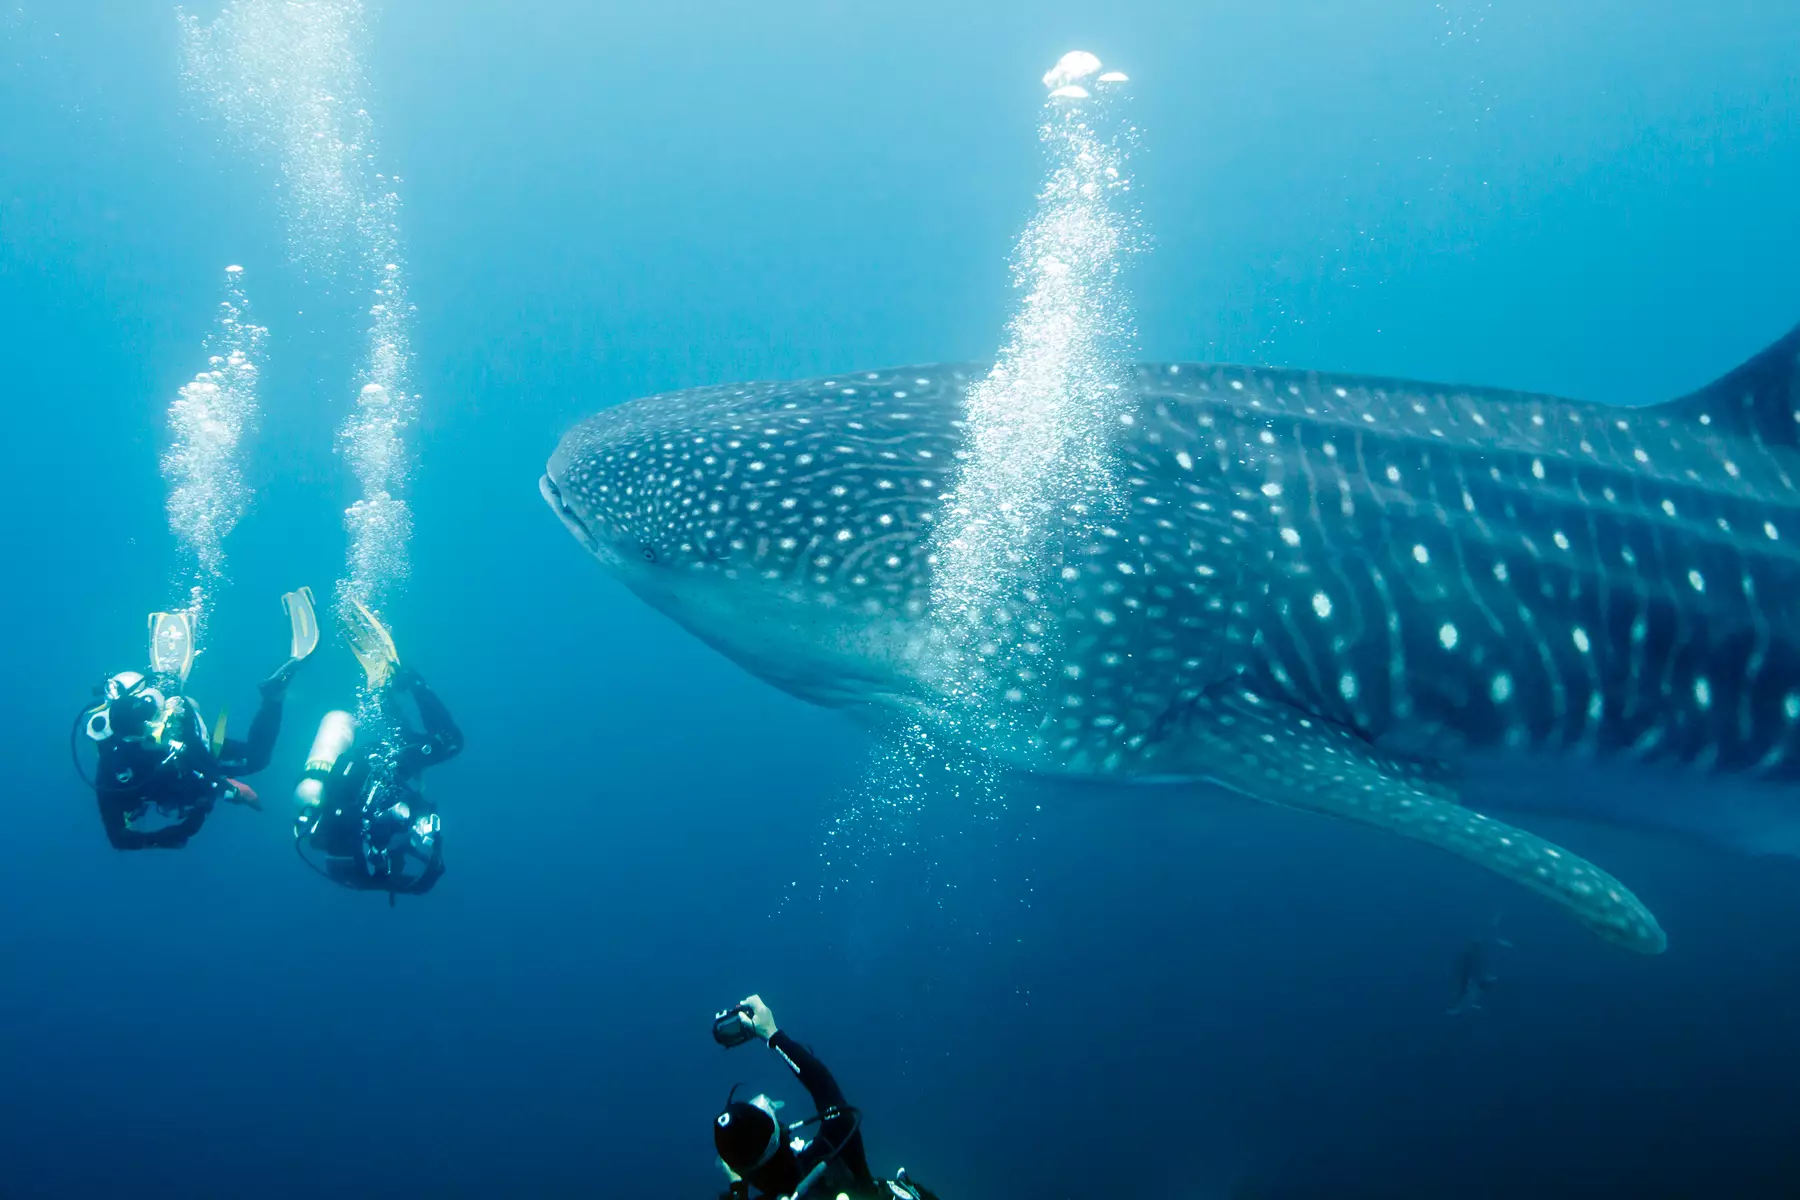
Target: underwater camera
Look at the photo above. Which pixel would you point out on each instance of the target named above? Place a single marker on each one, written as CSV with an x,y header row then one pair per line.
x,y
733,1027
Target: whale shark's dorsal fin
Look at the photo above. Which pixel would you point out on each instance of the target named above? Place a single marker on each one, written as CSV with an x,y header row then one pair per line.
x,y
1759,398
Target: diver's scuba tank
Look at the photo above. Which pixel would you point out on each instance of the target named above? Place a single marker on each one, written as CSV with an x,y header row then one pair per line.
x,y
337,731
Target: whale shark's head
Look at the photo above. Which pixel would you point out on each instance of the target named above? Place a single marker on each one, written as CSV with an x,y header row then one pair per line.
x,y
784,524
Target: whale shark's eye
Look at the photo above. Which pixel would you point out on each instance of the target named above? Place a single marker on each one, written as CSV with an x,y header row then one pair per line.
x,y
649,553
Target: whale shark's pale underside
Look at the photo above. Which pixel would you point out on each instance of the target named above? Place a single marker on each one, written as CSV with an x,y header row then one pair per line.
x,y
1393,602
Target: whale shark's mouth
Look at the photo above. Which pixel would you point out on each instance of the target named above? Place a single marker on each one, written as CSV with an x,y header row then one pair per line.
x,y
554,498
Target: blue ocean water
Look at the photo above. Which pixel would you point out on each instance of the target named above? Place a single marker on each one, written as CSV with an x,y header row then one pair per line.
x,y
1083,993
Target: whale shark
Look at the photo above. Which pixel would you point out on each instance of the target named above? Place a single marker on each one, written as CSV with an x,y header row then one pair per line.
x,y
1407,605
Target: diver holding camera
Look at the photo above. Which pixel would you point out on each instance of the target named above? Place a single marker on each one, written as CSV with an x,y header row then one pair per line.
x,y
778,1160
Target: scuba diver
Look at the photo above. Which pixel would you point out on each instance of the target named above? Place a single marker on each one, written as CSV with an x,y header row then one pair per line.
x,y
363,811
1475,969
758,1151
160,771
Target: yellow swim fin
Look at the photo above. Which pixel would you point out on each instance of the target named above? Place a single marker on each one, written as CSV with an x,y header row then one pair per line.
x,y
218,733
171,644
369,641
305,622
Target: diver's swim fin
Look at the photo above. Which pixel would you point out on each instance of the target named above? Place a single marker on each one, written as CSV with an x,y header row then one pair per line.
x,y
171,644
218,733
305,622
369,641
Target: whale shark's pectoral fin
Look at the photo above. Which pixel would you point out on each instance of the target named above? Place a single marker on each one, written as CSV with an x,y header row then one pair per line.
x,y
1280,755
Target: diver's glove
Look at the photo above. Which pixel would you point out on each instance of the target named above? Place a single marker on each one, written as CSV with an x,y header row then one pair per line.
x,y
236,791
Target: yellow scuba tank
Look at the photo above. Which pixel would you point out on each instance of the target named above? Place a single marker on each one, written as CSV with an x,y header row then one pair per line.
x,y
337,731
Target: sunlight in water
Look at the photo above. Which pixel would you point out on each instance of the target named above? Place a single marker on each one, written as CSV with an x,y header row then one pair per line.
x,y
207,421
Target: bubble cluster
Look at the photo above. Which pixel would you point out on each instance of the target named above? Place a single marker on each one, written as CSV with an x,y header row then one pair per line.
x,y
380,523
287,79
1039,423
930,811
207,421
1039,427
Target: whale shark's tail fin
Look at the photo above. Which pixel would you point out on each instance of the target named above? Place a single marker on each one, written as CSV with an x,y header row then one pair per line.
x,y
1759,398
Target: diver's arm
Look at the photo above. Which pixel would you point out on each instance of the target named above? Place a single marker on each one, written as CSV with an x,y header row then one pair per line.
x,y
170,837
115,765
838,1132
808,1070
811,1073
738,1189
121,835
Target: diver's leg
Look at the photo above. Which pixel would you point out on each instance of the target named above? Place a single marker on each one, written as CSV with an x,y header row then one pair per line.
x,y
252,754
265,727
433,872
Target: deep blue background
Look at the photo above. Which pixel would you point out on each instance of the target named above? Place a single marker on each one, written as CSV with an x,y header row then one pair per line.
x,y
1113,994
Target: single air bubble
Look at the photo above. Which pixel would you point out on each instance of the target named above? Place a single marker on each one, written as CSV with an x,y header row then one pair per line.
x,y
1071,92
1076,64
234,270
1071,67
1114,77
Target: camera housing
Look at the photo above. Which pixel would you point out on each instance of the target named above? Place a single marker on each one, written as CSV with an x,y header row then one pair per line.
x,y
733,1027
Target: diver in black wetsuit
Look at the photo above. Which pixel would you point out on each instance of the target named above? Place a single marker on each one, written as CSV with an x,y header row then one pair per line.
x,y
373,825
156,761
759,1152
